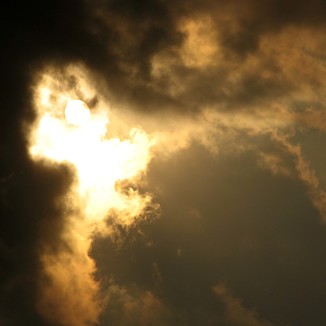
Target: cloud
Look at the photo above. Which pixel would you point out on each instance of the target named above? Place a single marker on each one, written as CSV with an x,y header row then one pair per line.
x,y
225,75
101,165
130,305
30,217
274,163
235,312
68,293
190,56
306,174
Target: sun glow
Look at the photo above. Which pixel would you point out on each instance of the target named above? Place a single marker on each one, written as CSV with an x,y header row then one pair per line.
x,y
77,112
72,134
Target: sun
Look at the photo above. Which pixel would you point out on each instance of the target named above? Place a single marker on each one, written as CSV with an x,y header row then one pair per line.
x,y
77,112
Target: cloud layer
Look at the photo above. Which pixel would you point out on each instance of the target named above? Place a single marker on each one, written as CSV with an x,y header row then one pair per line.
x,y
234,96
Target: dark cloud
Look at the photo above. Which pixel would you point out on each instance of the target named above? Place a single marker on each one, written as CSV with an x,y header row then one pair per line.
x,y
122,39
29,217
225,221
136,37
30,33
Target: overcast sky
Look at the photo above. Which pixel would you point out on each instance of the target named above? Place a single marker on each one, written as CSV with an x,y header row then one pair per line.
x,y
233,231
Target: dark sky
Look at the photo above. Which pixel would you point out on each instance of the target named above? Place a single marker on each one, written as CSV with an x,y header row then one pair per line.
x,y
235,92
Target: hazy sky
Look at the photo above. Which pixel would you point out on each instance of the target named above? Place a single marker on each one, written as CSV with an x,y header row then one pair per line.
x,y
231,226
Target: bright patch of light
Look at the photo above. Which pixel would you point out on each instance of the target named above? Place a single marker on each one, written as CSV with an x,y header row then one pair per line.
x,y
73,135
77,113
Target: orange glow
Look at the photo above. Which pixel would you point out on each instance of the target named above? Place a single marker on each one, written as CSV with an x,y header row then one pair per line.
x,y
77,112
78,137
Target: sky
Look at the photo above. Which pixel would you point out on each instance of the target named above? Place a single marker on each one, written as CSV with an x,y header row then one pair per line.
x,y
191,192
